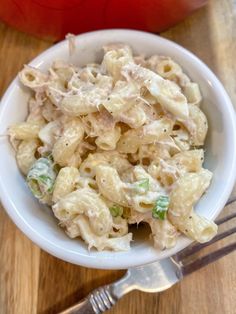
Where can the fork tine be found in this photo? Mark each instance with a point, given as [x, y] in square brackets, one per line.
[231, 200]
[207, 259]
[224, 219]
[192, 249]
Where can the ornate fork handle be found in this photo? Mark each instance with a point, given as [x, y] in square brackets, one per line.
[98, 301]
[103, 298]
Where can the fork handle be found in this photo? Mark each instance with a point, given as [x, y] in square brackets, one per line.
[98, 301]
[83, 307]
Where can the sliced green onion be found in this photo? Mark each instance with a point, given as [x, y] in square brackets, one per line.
[116, 210]
[142, 185]
[41, 177]
[160, 209]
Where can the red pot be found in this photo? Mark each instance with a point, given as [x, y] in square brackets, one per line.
[52, 19]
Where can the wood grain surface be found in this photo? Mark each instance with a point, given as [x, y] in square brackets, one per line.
[31, 281]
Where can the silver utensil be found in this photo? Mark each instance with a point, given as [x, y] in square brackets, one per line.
[157, 276]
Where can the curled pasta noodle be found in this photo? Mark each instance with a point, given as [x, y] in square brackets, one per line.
[135, 117]
[102, 242]
[108, 140]
[192, 93]
[127, 176]
[66, 145]
[181, 137]
[25, 154]
[153, 112]
[115, 59]
[143, 191]
[164, 233]
[119, 162]
[198, 126]
[169, 170]
[55, 84]
[25, 130]
[77, 105]
[156, 130]
[63, 71]
[83, 150]
[85, 201]
[168, 69]
[123, 97]
[48, 134]
[154, 60]
[32, 78]
[90, 73]
[116, 160]
[96, 124]
[71, 228]
[55, 94]
[189, 161]
[88, 98]
[75, 160]
[144, 202]
[140, 173]
[120, 227]
[110, 184]
[152, 152]
[86, 182]
[165, 172]
[65, 183]
[104, 83]
[50, 112]
[168, 145]
[88, 166]
[183, 197]
[132, 139]
[167, 93]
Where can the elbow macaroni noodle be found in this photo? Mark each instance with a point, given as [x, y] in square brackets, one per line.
[112, 144]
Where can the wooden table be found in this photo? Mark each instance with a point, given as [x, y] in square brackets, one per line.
[31, 281]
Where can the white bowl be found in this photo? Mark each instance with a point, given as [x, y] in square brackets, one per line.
[38, 223]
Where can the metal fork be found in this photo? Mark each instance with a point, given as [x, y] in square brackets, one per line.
[157, 276]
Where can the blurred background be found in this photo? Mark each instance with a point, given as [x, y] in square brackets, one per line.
[53, 19]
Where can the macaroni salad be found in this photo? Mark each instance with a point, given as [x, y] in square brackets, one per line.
[117, 143]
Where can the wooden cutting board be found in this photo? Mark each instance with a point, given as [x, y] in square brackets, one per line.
[31, 281]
